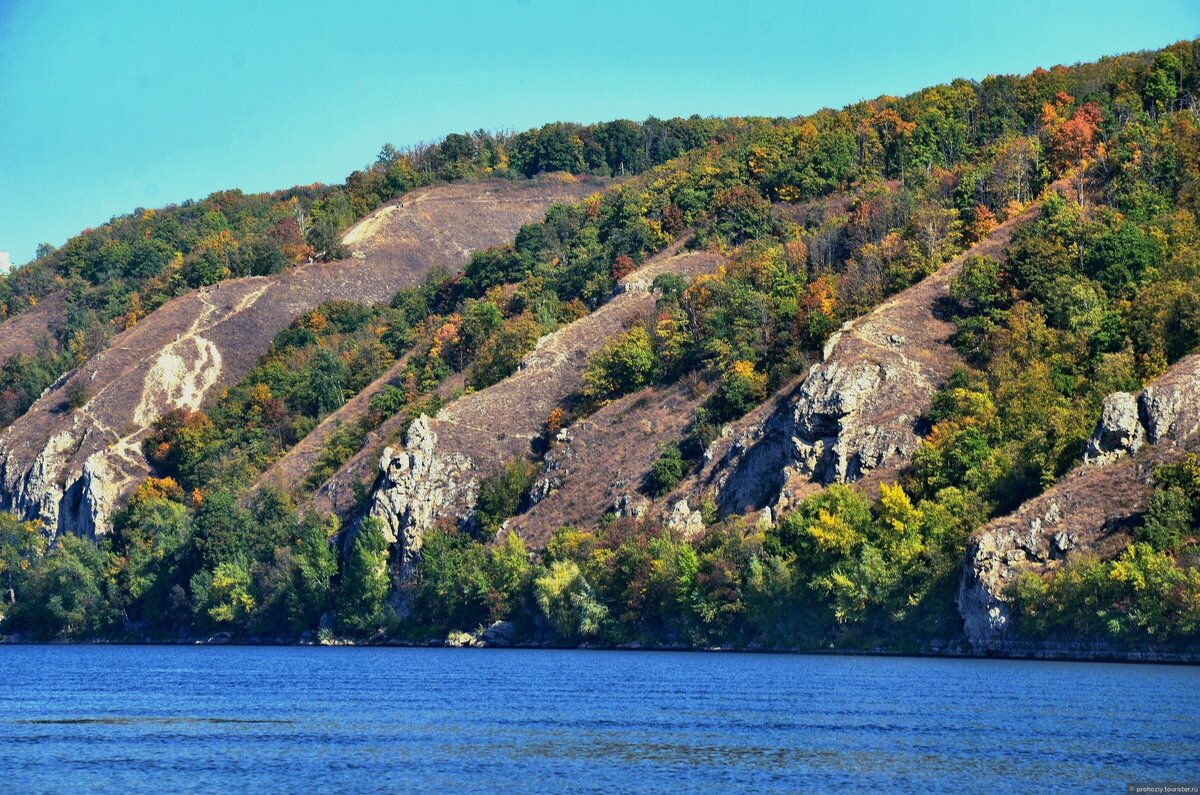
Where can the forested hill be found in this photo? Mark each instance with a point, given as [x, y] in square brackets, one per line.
[845, 380]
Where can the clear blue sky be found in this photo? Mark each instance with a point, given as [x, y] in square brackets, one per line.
[105, 107]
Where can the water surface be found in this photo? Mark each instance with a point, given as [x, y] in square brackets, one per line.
[284, 719]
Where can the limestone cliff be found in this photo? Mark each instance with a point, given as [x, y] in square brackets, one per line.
[1092, 508]
[418, 488]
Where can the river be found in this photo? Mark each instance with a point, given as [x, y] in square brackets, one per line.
[302, 719]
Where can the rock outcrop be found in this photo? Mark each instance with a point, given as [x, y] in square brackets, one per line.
[683, 520]
[1119, 433]
[419, 488]
[856, 412]
[1092, 509]
[70, 468]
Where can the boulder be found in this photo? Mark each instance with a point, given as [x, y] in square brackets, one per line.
[500, 633]
[684, 520]
[1119, 433]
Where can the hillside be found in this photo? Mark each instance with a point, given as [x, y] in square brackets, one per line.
[915, 375]
[70, 467]
[1095, 510]
[437, 474]
[858, 414]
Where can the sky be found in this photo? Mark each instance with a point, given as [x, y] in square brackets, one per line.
[108, 107]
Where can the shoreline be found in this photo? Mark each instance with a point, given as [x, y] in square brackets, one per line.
[1032, 654]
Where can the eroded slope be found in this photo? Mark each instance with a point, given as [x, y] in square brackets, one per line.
[435, 477]
[601, 462]
[71, 468]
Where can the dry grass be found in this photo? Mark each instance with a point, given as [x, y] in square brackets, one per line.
[609, 454]
[21, 334]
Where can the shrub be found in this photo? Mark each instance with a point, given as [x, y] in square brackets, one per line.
[742, 388]
[365, 580]
[569, 602]
[625, 364]
[76, 394]
[502, 495]
[666, 472]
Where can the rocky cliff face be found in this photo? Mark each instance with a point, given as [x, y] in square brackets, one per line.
[71, 468]
[1092, 509]
[418, 488]
[856, 412]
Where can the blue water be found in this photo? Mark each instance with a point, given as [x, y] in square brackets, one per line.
[255, 719]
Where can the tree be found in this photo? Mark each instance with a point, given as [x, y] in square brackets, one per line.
[1162, 85]
[625, 364]
[1071, 139]
[742, 388]
[365, 581]
[502, 353]
[222, 530]
[325, 389]
[65, 597]
[569, 602]
[622, 144]
[22, 545]
[228, 601]
[501, 495]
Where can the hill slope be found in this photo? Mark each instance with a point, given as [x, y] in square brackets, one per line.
[69, 468]
[862, 392]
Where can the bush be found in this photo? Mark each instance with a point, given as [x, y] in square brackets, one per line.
[666, 472]
[625, 364]
[502, 495]
[365, 580]
[742, 388]
[76, 394]
[569, 602]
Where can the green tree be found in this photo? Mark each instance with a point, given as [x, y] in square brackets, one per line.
[502, 353]
[501, 495]
[666, 472]
[569, 603]
[365, 582]
[66, 595]
[625, 364]
[22, 545]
